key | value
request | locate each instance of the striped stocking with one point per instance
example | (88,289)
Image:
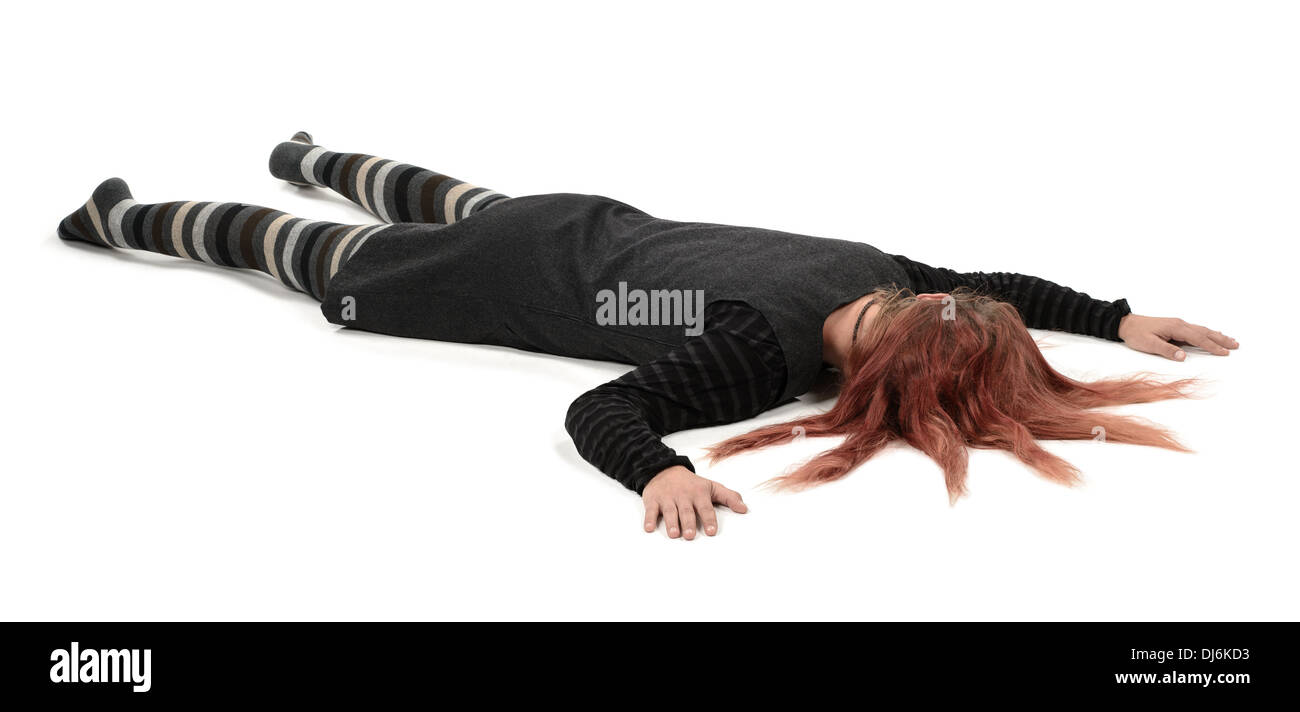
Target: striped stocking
(304,254)
(392,191)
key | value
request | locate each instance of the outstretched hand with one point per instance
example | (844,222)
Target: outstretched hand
(684,498)
(1165,337)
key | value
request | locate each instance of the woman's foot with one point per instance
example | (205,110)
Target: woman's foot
(286,159)
(90,223)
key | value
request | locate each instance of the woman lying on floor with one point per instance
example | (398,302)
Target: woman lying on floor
(722,322)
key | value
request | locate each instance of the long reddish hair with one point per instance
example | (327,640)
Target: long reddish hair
(946,375)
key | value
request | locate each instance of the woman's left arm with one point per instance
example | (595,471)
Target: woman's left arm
(1046,305)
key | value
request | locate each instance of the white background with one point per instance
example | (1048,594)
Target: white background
(187,442)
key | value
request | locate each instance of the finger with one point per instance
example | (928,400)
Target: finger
(686,513)
(729,498)
(1200,336)
(1160,347)
(651,515)
(670,520)
(1213,346)
(1226,342)
(708,517)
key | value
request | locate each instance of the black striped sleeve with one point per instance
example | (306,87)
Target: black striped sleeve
(734,370)
(1042,304)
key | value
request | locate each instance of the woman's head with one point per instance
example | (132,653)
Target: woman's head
(947,372)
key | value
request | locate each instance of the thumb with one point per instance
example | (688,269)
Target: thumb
(729,498)
(1160,347)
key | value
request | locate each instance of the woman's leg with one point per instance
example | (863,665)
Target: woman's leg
(391,191)
(304,254)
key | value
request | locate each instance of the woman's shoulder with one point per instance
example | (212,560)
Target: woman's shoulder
(735,315)
(745,324)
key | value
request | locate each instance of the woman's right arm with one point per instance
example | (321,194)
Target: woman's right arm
(732,371)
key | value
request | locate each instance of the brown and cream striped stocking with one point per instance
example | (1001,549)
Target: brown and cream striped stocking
(303,254)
